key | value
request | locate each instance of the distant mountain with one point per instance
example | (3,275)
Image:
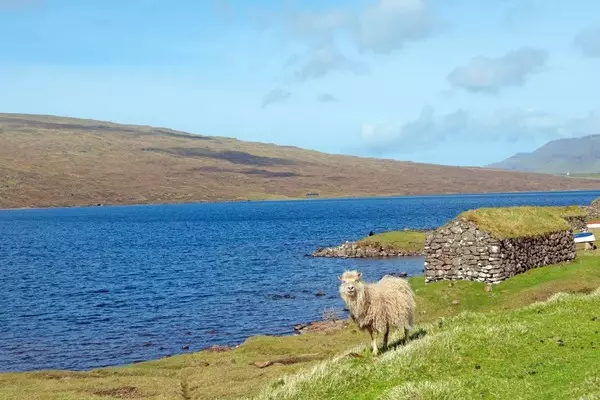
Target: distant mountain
(576,155)
(50,161)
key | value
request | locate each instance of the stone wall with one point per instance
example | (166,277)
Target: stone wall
(353,250)
(594,209)
(577,223)
(459,250)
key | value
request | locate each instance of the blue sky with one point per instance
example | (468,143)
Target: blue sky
(459,82)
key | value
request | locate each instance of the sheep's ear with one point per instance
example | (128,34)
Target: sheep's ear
(359,276)
(340,277)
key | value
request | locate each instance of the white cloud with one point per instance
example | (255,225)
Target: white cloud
(275,96)
(490,75)
(319,25)
(389,24)
(321,60)
(382,27)
(326,98)
(588,42)
(12,5)
(429,131)
(521,12)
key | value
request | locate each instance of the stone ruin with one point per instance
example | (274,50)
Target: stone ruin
(460,250)
(577,222)
(594,209)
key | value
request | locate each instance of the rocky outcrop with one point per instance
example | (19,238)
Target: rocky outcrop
(594,209)
(578,222)
(321,326)
(459,250)
(354,250)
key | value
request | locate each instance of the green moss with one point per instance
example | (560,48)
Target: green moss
(511,222)
(569,211)
(410,241)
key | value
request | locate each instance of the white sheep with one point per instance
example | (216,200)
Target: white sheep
(376,307)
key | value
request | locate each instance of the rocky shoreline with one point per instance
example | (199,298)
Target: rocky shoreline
(354,250)
(321,326)
(332,321)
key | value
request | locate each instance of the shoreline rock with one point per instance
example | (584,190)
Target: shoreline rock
(354,250)
(215,348)
(321,326)
(282,296)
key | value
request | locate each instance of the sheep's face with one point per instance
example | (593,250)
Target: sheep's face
(350,282)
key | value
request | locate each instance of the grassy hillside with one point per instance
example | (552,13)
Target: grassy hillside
(522,348)
(579,156)
(545,351)
(53,161)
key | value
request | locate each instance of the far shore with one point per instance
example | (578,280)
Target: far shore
(294,199)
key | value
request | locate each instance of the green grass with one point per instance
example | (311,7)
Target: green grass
(411,241)
(569,211)
(230,375)
(594,175)
(202,375)
(549,350)
(511,222)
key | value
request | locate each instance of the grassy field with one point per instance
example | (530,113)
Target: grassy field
(410,241)
(510,222)
(232,374)
(549,350)
(50,161)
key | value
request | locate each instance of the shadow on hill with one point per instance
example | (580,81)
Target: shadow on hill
(97,128)
(252,171)
(235,157)
(415,335)
(66,126)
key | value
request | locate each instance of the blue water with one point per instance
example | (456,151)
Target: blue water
(91,287)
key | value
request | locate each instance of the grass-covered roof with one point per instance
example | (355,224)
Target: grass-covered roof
(524,221)
(569,211)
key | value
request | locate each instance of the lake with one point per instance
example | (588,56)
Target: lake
(91,287)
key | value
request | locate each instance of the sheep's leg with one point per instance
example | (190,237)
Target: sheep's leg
(385,338)
(406,335)
(374,341)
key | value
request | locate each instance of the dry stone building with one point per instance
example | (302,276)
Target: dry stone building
(491,245)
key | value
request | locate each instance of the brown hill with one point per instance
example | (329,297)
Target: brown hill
(54,161)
